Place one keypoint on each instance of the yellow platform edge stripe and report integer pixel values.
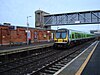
(86, 61)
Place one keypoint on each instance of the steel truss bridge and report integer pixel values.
(74, 18)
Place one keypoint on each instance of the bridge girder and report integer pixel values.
(86, 17)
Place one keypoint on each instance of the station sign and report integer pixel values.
(77, 22)
(28, 34)
(12, 27)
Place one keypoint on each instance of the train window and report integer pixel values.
(72, 36)
(63, 35)
(79, 36)
(58, 35)
(76, 35)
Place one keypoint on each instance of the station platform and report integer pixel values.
(20, 48)
(86, 63)
(93, 66)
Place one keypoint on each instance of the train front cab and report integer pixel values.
(61, 39)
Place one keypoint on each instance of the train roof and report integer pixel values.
(62, 29)
(70, 30)
(74, 30)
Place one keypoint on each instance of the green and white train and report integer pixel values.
(67, 37)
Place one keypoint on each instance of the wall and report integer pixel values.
(11, 36)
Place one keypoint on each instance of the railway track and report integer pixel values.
(17, 56)
(46, 62)
(20, 65)
(66, 57)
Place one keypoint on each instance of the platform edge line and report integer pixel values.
(86, 61)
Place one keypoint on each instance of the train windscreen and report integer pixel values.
(60, 35)
(63, 34)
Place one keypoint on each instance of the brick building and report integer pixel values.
(13, 35)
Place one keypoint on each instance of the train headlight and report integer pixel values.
(64, 40)
(55, 40)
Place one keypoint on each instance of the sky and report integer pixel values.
(16, 11)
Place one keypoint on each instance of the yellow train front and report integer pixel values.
(61, 38)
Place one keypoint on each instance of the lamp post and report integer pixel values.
(28, 30)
